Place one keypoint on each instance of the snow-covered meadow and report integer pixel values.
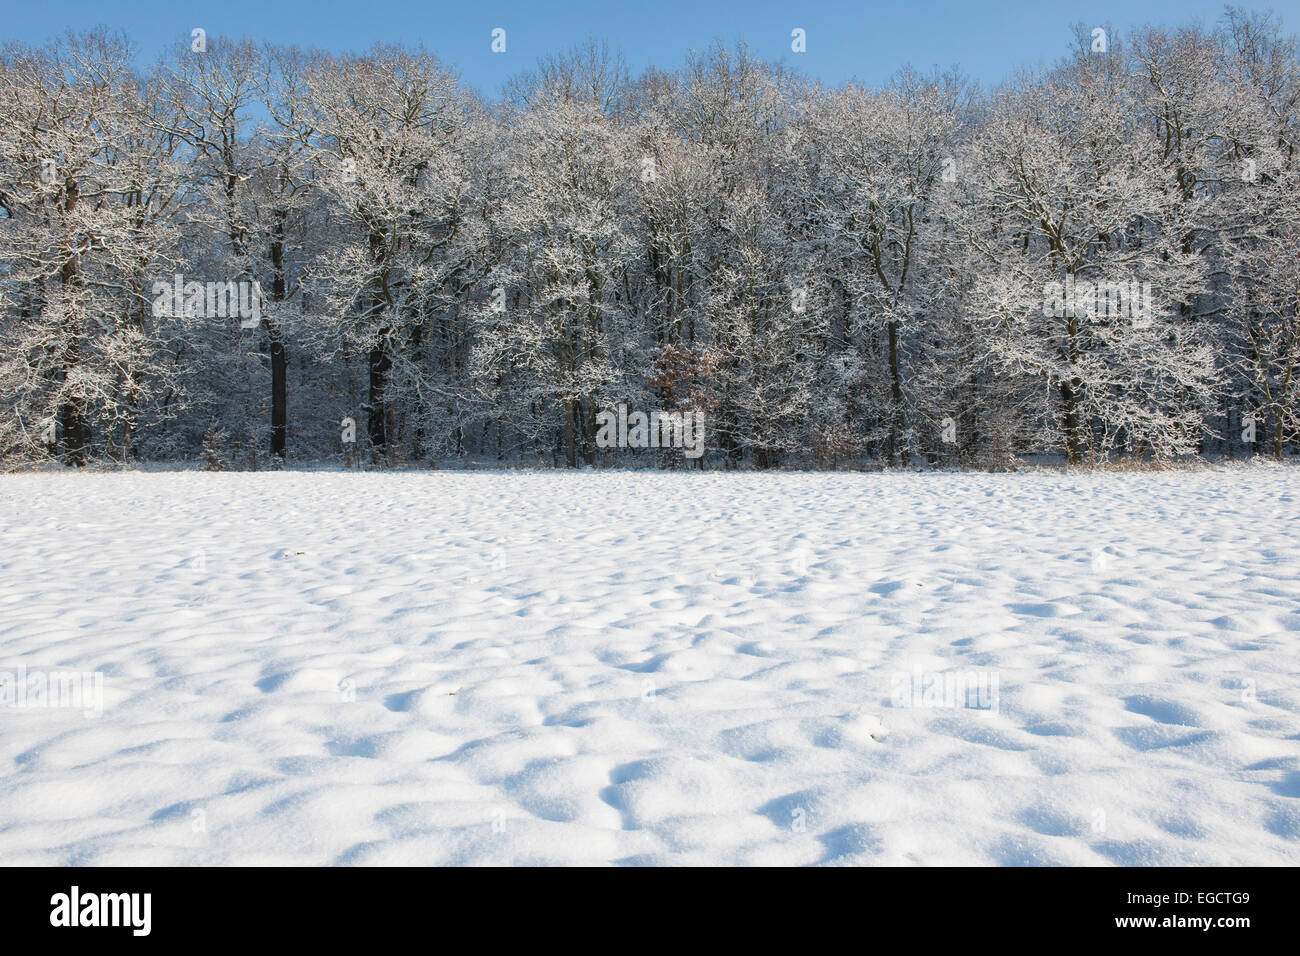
(421, 668)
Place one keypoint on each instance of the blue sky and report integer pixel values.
(867, 40)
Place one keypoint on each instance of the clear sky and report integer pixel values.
(867, 39)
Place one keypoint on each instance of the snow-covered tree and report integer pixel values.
(1083, 275)
(392, 130)
(89, 187)
(1093, 260)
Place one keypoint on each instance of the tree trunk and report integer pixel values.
(898, 425)
(72, 414)
(279, 360)
(279, 392)
(380, 363)
(1073, 424)
(72, 417)
(376, 421)
(1070, 389)
(570, 433)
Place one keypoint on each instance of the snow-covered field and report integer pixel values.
(418, 668)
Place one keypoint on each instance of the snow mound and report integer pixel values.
(620, 668)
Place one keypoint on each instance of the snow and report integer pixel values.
(457, 668)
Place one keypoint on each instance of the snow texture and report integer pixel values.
(631, 668)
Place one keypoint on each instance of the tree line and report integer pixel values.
(277, 254)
